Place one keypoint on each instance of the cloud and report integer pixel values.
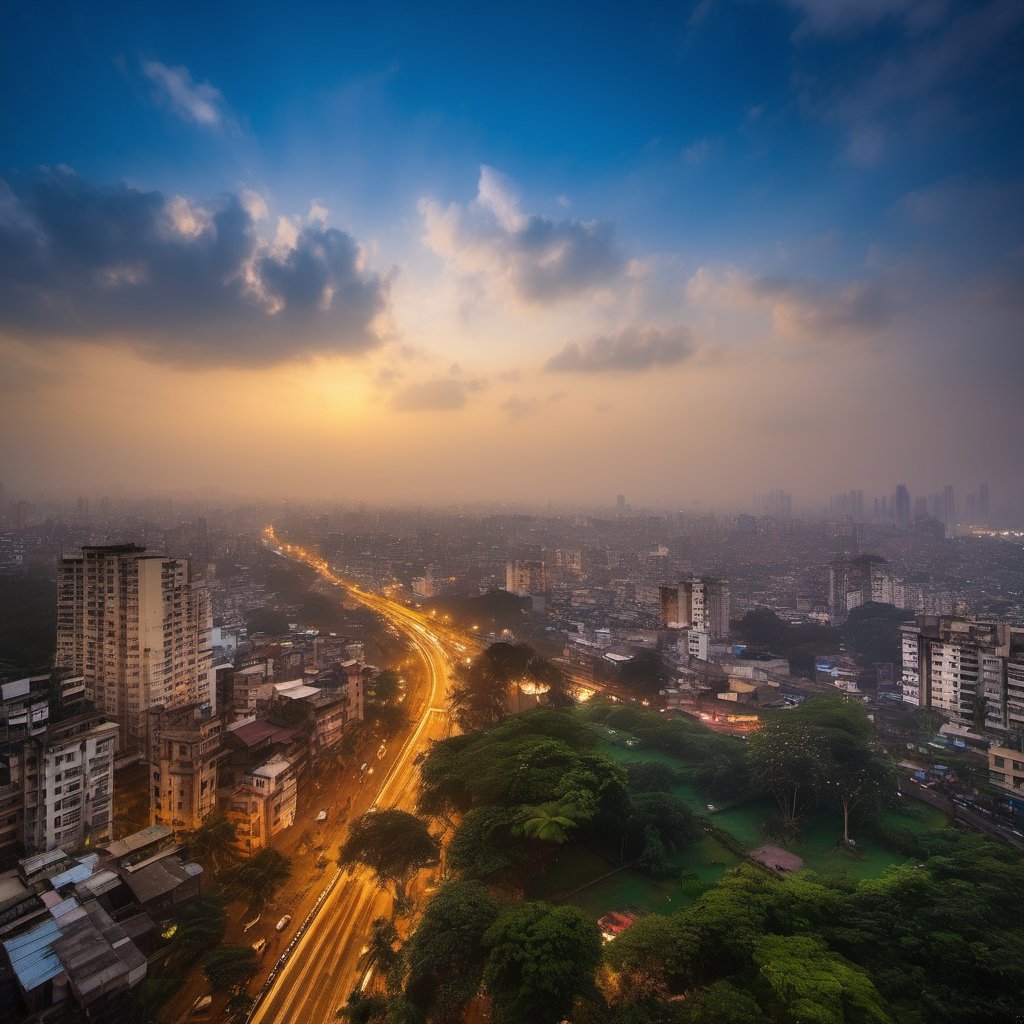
(632, 350)
(526, 258)
(181, 282)
(845, 17)
(915, 86)
(520, 408)
(439, 394)
(799, 308)
(198, 102)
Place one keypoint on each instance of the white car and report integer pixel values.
(284, 922)
(321, 817)
(258, 946)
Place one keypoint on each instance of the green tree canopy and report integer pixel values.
(230, 967)
(541, 958)
(446, 954)
(392, 843)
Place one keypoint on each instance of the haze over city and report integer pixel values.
(690, 253)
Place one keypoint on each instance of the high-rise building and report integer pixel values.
(902, 505)
(526, 577)
(854, 580)
(983, 501)
(68, 784)
(948, 508)
(972, 672)
(138, 628)
(700, 604)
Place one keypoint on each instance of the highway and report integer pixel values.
(321, 966)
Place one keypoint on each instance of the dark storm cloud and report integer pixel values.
(185, 284)
(632, 350)
(438, 395)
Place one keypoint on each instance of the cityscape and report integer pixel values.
(512, 515)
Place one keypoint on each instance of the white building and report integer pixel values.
(138, 628)
(264, 804)
(67, 777)
(972, 672)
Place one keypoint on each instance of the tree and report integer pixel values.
(230, 967)
(393, 844)
(262, 874)
(552, 821)
(787, 758)
(857, 775)
(541, 958)
(483, 845)
(200, 926)
(214, 840)
(446, 953)
(384, 686)
(651, 777)
(799, 979)
(381, 953)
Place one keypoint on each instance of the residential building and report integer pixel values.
(185, 749)
(701, 604)
(67, 777)
(264, 804)
(526, 577)
(1006, 769)
(971, 671)
(138, 628)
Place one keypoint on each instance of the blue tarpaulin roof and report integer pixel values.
(32, 955)
(79, 873)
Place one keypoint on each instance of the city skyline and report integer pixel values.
(438, 257)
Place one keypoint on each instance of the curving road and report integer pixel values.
(321, 967)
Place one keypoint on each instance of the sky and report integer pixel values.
(519, 252)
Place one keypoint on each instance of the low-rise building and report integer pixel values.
(1006, 769)
(264, 804)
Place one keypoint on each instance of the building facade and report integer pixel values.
(138, 628)
(971, 671)
(185, 749)
(67, 778)
(701, 604)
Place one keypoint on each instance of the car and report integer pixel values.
(283, 923)
(321, 817)
(201, 1004)
(364, 766)
(259, 946)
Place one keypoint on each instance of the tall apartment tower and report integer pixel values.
(902, 505)
(138, 628)
(973, 672)
(700, 604)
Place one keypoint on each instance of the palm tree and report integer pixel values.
(380, 952)
(214, 839)
(551, 822)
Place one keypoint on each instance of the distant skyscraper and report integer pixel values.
(983, 501)
(902, 505)
(948, 508)
(526, 577)
(138, 628)
(620, 504)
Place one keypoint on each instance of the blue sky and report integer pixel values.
(695, 198)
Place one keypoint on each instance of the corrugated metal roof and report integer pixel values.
(32, 955)
(79, 873)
